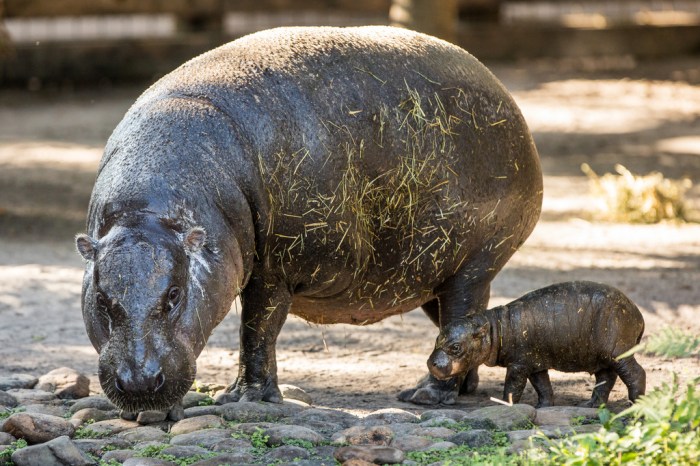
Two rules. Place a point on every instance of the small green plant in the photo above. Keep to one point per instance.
(84, 432)
(111, 462)
(494, 454)
(258, 440)
(7, 412)
(6, 454)
(208, 401)
(674, 343)
(662, 427)
(156, 451)
(305, 444)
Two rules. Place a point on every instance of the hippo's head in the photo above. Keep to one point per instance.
(460, 347)
(141, 305)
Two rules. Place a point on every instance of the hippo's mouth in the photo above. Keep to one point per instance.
(162, 400)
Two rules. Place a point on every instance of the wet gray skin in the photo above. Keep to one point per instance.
(342, 175)
(570, 327)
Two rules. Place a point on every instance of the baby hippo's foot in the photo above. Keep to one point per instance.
(241, 391)
(431, 391)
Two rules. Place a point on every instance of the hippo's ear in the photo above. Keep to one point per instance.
(194, 239)
(87, 247)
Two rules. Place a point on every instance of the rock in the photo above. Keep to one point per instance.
(357, 462)
(136, 461)
(118, 455)
(98, 447)
(472, 438)
(192, 399)
(150, 417)
(434, 432)
(185, 451)
(439, 422)
(285, 453)
(213, 410)
(325, 415)
(234, 445)
(15, 381)
(7, 400)
(563, 415)
(60, 451)
(227, 459)
(95, 402)
(444, 445)
(389, 416)
(245, 411)
(249, 428)
(65, 383)
(324, 428)
(93, 415)
(404, 428)
(295, 393)
(111, 426)
(279, 434)
(519, 416)
(143, 434)
(37, 428)
(59, 411)
(6, 439)
(364, 435)
(25, 396)
(411, 443)
(370, 453)
(203, 438)
(196, 423)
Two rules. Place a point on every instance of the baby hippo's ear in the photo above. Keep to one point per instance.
(481, 331)
(87, 247)
(195, 238)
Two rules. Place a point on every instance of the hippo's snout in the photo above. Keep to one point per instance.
(440, 365)
(130, 383)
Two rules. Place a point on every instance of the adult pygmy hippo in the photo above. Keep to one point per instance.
(570, 327)
(343, 175)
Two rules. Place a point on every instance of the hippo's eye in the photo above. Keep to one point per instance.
(174, 296)
(101, 300)
(455, 348)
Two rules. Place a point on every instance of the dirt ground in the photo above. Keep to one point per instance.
(645, 116)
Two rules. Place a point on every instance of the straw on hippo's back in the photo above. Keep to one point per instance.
(570, 327)
(341, 174)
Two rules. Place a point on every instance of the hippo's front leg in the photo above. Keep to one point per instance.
(516, 378)
(265, 308)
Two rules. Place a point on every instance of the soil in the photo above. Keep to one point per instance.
(645, 116)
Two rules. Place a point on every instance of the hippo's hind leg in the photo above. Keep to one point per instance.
(633, 376)
(455, 300)
(265, 308)
(543, 387)
(604, 383)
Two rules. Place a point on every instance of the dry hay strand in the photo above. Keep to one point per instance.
(630, 198)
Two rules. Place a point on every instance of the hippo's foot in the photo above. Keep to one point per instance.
(431, 391)
(240, 391)
(470, 383)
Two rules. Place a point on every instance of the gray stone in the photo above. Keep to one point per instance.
(143, 434)
(96, 402)
(295, 393)
(65, 383)
(325, 415)
(285, 453)
(434, 432)
(185, 451)
(439, 422)
(7, 400)
(412, 443)
(472, 438)
(51, 410)
(563, 415)
(389, 416)
(213, 410)
(324, 428)
(245, 411)
(111, 426)
(370, 453)
(196, 423)
(231, 445)
(192, 399)
(364, 435)
(93, 415)
(37, 428)
(98, 446)
(59, 451)
(506, 418)
(118, 455)
(279, 434)
(150, 417)
(137, 461)
(9, 382)
(25, 396)
(404, 428)
(6, 439)
(249, 428)
(444, 445)
(227, 459)
(453, 414)
(203, 438)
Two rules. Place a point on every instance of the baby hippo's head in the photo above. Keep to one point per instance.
(460, 347)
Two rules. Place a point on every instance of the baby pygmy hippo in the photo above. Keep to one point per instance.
(570, 327)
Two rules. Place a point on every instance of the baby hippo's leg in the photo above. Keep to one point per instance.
(543, 387)
(604, 382)
(516, 378)
(633, 375)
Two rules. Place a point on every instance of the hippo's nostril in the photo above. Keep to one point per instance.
(118, 385)
(160, 381)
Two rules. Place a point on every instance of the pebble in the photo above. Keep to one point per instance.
(292, 392)
(65, 383)
(217, 435)
(15, 381)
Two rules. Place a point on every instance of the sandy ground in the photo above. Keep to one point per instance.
(646, 117)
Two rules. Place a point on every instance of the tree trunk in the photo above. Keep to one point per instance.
(435, 17)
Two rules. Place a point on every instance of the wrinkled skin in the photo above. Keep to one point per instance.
(570, 327)
(342, 175)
